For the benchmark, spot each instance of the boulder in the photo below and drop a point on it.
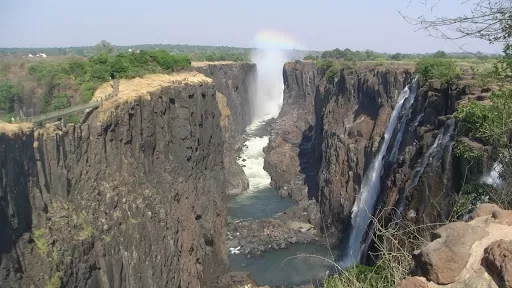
(414, 282)
(498, 261)
(468, 254)
(443, 259)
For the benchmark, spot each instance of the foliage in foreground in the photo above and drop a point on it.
(490, 123)
(360, 276)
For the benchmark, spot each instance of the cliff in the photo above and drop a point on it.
(130, 198)
(333, 142)
(234, 82)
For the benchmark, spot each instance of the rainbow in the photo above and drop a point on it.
(267, 38)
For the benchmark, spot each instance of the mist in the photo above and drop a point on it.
(267, 98)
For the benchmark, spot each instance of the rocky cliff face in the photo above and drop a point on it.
(234, 82)
(331, 145)
(131, 198)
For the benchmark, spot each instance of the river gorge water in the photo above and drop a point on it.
(275, 267)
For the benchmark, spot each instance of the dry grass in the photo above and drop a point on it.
(225, 113)
(12, 129)
(203, 64)
(140, 88)
(103, 92)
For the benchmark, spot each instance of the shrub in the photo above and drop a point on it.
(311, 57)
(437, 68)
(464, 150)
(9, 94)
(330, 69)
(488, 122)
(40, 241)
(360, 276)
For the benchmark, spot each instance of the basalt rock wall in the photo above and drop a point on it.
(329, 132)
(131, 198)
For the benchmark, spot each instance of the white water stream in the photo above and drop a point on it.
(370, 187)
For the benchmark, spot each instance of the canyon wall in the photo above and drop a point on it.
(234, 82)
(328, 133)
(131, 198)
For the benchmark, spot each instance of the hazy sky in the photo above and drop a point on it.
(317, 25)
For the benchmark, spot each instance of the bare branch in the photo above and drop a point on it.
(489, 20)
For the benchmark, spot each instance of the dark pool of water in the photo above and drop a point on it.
(286, 266)
(260, 204)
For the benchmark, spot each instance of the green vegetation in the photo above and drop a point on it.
(463, 150)
(42, 247)
(471, 195)
(360, 276)
(88, 74)
(438, 68)
(9, 94)
(55, 281)
(489, 122)
(311, 57)
(330, 69)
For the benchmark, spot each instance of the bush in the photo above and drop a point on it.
(360, 276)
(311, 57)
(9, 95)
(489, 122)
(437, 68)
(330, 69)
(89, 74)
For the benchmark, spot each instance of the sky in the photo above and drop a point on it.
(314, 25)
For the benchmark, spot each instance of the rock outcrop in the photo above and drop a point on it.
(131, 198)
(329, 132)
(473, 254)
(234, 82)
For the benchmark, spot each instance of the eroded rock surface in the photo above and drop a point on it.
(473, 254)
(131, 198)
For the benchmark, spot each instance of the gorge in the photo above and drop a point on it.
(150, 190)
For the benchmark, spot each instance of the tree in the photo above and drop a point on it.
(104, 47)
(490, 20)
(396, 57)
(439, 54)
(9, 94)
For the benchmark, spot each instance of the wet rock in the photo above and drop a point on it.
(258, 236)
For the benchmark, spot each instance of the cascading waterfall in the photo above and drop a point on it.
(370, 188)
(443, 139)
(405, 115)
(493, 176)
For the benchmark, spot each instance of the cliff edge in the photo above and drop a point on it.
(130, 198)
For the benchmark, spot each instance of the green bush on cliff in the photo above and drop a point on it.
(489, 122)
(330, 69)
(437, 68)
(464, 150)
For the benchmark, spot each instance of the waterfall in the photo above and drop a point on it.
(370, 187)
(442, 140)
(405, 115)
(493, 176)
